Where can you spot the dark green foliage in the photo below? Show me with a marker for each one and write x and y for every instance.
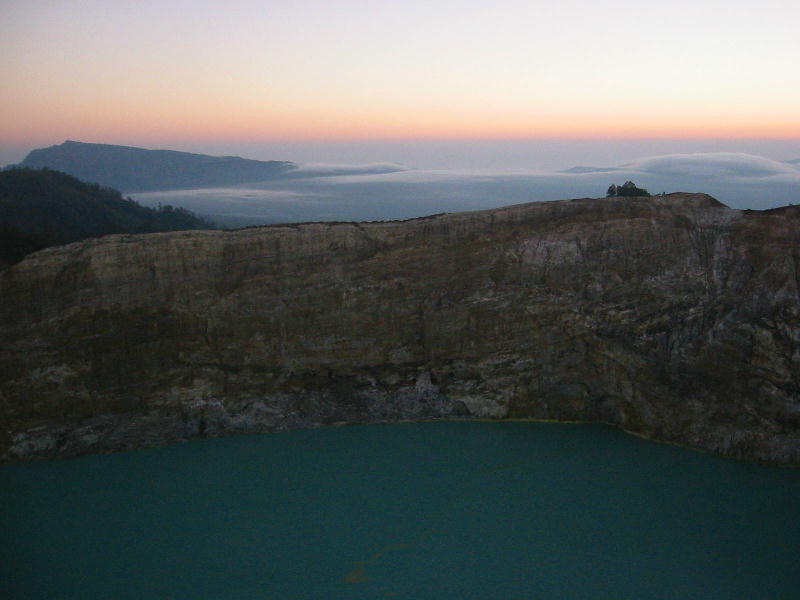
(626, 189)
(40, 208)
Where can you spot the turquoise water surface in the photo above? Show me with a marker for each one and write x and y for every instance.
(414, 511)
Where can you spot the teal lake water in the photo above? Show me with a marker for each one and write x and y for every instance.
(416, 511)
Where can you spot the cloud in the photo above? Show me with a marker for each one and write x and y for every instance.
(221, 194)
(420, 176)
(582, 170)
(725, 166)
(331, 169)
(718, 165)
(380, 191)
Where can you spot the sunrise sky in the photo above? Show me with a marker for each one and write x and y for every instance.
(180, 73)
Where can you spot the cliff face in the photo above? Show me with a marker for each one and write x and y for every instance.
(674, 317)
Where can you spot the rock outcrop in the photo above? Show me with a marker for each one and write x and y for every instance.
(674, 317)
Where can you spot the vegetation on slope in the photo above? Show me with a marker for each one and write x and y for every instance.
(628, 189)
(40, 208)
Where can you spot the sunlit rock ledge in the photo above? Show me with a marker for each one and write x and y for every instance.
(674, 317)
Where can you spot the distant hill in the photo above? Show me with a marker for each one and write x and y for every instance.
(137, 170)
(41, 208)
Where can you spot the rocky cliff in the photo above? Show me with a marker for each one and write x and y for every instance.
(673, 317)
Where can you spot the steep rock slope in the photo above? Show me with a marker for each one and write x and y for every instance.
(674, 317)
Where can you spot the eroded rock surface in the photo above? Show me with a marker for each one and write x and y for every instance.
(673, 317)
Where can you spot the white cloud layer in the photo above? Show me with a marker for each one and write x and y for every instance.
(232, 193)
(321, 169)
(715, 165)
(364, 192)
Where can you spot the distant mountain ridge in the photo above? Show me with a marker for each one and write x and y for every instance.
(132, 169)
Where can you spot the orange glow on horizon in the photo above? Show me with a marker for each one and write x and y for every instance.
(299, 126)
(153, 73)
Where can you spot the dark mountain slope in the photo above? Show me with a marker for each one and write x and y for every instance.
(135, 169)
(40, 208)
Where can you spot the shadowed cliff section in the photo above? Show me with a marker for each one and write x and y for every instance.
(673, 317)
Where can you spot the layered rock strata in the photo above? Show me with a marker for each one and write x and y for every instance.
(673, 317)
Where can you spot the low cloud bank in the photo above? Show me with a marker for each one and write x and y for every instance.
(716, 165)
(703, 166)
(331, 169)
(231, 195)
(383, 191)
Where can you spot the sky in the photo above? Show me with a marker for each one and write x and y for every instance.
(304, 74)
